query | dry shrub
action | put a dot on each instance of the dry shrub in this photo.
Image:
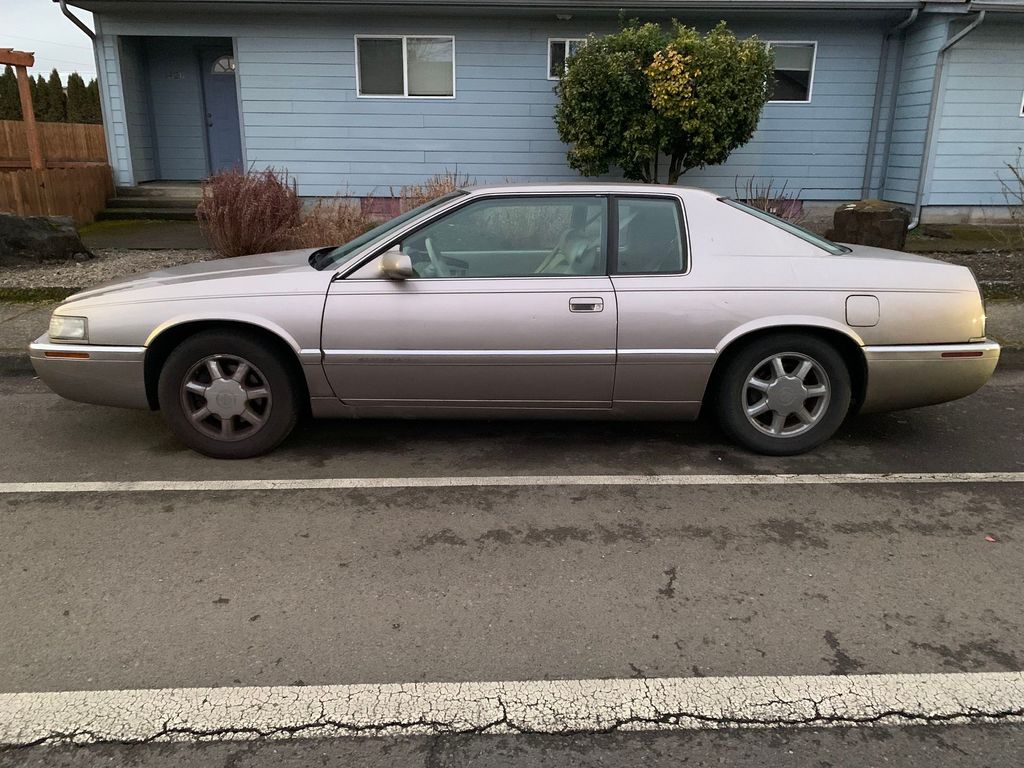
(412, 195)
(248, 212)
(762, 194)
(1013, 193)
(330, 222)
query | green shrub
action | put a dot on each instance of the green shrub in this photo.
(631, 98)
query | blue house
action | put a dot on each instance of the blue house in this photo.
(917, 102)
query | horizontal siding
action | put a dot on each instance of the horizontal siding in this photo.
(139, 126)
(913, 101)
(296, 78)
(115, 120)
(979, 127)
(301, 112)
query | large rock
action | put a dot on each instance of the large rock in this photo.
(35, 239)
(871, 222)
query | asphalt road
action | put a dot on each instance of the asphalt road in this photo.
(182, 589)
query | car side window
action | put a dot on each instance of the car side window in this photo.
(651, 236)
(544, 236)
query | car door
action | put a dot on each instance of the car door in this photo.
(510, 307)
(660, 368)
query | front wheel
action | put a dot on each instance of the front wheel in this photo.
(226, 395)
(785, 394)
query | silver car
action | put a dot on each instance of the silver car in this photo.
(570, 301)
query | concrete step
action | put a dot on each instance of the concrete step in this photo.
(167, 191)
(155, 214)
(151, 202)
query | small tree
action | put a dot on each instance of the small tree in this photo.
(92, 112)
(629, 98)
(77, 99)
(54, 108)
(37, 87)
(10, 101)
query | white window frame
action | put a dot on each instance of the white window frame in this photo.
(1021, 112)
(405, 66)
(814, 69)
(565, 40)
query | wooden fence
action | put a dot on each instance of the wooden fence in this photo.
(76, 192)
(63, 144)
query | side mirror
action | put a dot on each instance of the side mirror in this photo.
(396, 265)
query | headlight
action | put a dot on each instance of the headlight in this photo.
(69, 328)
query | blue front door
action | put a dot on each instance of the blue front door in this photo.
(223, 137)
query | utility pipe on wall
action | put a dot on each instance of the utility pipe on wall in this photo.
(883, 64)
(929, 139)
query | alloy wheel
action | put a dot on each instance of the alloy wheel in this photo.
(226, 397)
(786, 394)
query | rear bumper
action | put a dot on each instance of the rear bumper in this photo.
(911, 375)
(92, 374)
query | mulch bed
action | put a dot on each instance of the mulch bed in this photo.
(1000, 274)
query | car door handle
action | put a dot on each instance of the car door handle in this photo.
(586, 305)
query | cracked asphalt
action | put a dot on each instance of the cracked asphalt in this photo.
(318, 587)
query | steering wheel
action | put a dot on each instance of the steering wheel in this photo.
(440, 267)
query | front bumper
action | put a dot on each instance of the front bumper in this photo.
(90, 373)
(911, 375)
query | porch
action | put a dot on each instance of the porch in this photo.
(181, 107)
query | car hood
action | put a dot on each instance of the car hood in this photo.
(241, 274)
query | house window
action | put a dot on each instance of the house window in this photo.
(405, 66)
(794, 72)
(225, 65)
(560, 50)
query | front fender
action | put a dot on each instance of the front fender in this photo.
(235, 317)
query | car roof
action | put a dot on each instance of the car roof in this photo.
(590, 187)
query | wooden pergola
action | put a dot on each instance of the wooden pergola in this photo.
(21, 61)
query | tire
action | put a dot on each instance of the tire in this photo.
(245, 412)
(788, 413)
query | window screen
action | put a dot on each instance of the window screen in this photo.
(380, 66)
(794, 69)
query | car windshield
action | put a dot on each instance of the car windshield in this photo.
(330, 257)
(804, 234)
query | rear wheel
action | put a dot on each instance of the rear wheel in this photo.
(226, 395)
(784, 394)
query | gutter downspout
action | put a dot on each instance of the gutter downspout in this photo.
(75, 20)
(929, 139)
(883, 64)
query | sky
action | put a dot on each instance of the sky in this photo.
(39, 26)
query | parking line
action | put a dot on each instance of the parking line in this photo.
(470, 481)
(547, 706)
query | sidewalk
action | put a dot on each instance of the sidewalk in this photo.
(1005, 323)
(21, 324)
(175, 235)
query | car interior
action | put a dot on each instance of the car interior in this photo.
(525, 237)
(519, 237)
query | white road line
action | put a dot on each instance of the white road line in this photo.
(550, 706)
(260, 484)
